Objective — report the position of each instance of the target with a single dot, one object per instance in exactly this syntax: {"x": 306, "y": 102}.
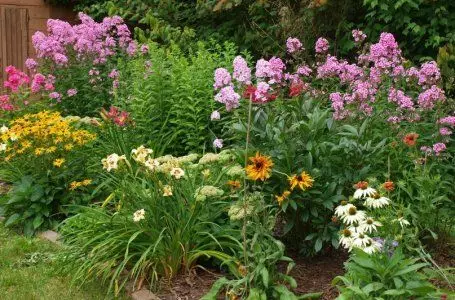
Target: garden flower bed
{"x": 191, "y": 173}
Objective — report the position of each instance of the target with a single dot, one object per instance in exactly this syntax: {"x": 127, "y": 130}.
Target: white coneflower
{"x": 2, "y": 147}
{"x": 343, "y": 208}
{"x": 369, "y": 225}
{"x": 139, "y": 215}
{"x": 353, "y": 215}
{"x": 177, "y": 173}
{"x": 371, "y": 247}
{"x": 362, "y": 190}
{"x": 376, "y": 201}
{"x": 167, "y": 191}
{"x": 346, "y": 238}
{"x": 403, "y": 222}
{"x": 151, "y": 164}
{"x": 356, "y": 228}
{"x": 361, "y": 240}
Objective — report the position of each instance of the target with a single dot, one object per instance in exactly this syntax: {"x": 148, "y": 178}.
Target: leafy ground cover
{"x": 28, "y": 271}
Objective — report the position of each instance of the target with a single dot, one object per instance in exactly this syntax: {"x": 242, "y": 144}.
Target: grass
{"x": 28, "y": 271}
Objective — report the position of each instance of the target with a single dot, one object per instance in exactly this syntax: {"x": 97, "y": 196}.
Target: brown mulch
{"x": 312, "y": 275}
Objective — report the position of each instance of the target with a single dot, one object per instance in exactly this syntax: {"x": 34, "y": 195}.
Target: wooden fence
{"x": 19, "y": 20}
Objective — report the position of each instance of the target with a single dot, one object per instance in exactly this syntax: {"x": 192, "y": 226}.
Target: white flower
{"x": 376, "y": 201}
{"x": 151, "y": 164}
{"x": 369, "y": 225}
{"x": 343, "y": 208}
{"x": 215, "y": 115}
{"x": 403, "y": 222}
{"x": 356, "y": 228}
{"x": 362, "y": 193}
{"x": 177, "y": 173}
{"x": 141, "y": 153}
{"x": 167, "y": 191}
{"x": 2, "y": 147}
{"x": 13, "y": 137}
{"x": 209, "y": 158}
{"x": 4, "y": 129}
{"x": 111, "y": 162}
{"x": 139, "y": 215}
{"x": 371, "y": 248}
{"x": 346, "y": 238}
{"x": 353, "y": 215}
{"x": 361, "y": 240}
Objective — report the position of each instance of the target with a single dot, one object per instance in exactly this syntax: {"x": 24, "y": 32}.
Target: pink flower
{"x": 358, "y": 36}
{"x": 5, "y": 103}
{"x": 71, "y": 92}
{"x": 322, "y": 46}
{"x": 31, "y": 64}
{"x": 449, "y": 120}
{"x": 262, "y": 92}
{"x": 222, "y": 78}
{"x": 218, "y": 143}
{"x": 293, "y": 45}
{"x": 132, "y": 48}
{"x": 438, "y": 148}
{"x": 114, "y": 74}
{"x": 144, "y": 49}
{"x": 428, "y": 98}
{"x": 56, "y": 96}
{"x": 15, "y": 79}
{"x": 272, "y": 69}
{"x": 429, "y": 73}
{"x": 241, "y": 71}
{"x": 228, "y": 97}
{"x": 445, "y": 131}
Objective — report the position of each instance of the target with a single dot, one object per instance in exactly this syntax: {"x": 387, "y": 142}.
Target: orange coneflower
{"x": 234, "y": 184}
{"x": 303, "y": 181}
{"x": 259, "y": 168}
{"x": 282, "y": 197}
{"x": 410, "y": 139}
{"x": 388, "y": 186}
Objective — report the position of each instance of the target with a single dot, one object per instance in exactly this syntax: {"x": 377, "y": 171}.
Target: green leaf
{"x": 374, "y": 286}
{"x": 394, "y": 292}
{"x": 12, "y": 219}
{"x": 37, "y": 221}
{"x": 410, "y": 269}
{"x": 318, "y": 245}
{"x": 265, "y": 277}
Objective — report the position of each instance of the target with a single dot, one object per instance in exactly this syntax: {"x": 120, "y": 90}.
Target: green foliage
{"x": 379, "y": 276}
{"x": 260, "y": 277}
{"x": 446, "y": 62}
{"x": 177, "y": 231}
{"x": 421, "y": 26}
{"x": 172, "y": 105}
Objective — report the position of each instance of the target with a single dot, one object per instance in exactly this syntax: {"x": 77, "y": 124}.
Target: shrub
{"x": 379, "y": 275}
{"x": 44, "y": 156}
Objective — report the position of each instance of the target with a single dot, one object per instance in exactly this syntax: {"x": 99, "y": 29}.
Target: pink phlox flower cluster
{"x": 88, "y": 39}
{"x": 272, "y": 70}
{"x": 358, "y": 36}
{"x": 5, "y": 103}
{"x": 293, "y": 45}
{"x": 242, "y": 73}
{"x": 445, "y": 131}
{"x": 222, "y": 78}
{"x": 262, "y": 92}
{"x": 114, "y": 74}
{"x": 31, "y": 64}
{"x": 385, "y": 54}
{"x": 71, "y": 92}
{"x": 429, "y": 74}
{"x": 428, "y": 97}
{"x": 449, "y": 120}
{"x": 304, "y": 70}
{"x": 322, "y": 46}
{"x": 228, "y": 97}
{"x": 144, "y": 49}
{"x": 55, "y": 96}
{"x": 330, "y": 68}
{"x": 399, "y": 97}
{"x": 438, "y": 148}
{"x": 15, "y": 79}
{"x": 218, "y": 143}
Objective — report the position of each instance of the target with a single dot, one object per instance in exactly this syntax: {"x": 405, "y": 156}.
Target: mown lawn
{"x": 28, "y": 271}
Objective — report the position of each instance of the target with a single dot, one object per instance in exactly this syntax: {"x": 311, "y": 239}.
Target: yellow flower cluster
{"x": 42, "y": 133}
{"x": 77, "y": 184}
